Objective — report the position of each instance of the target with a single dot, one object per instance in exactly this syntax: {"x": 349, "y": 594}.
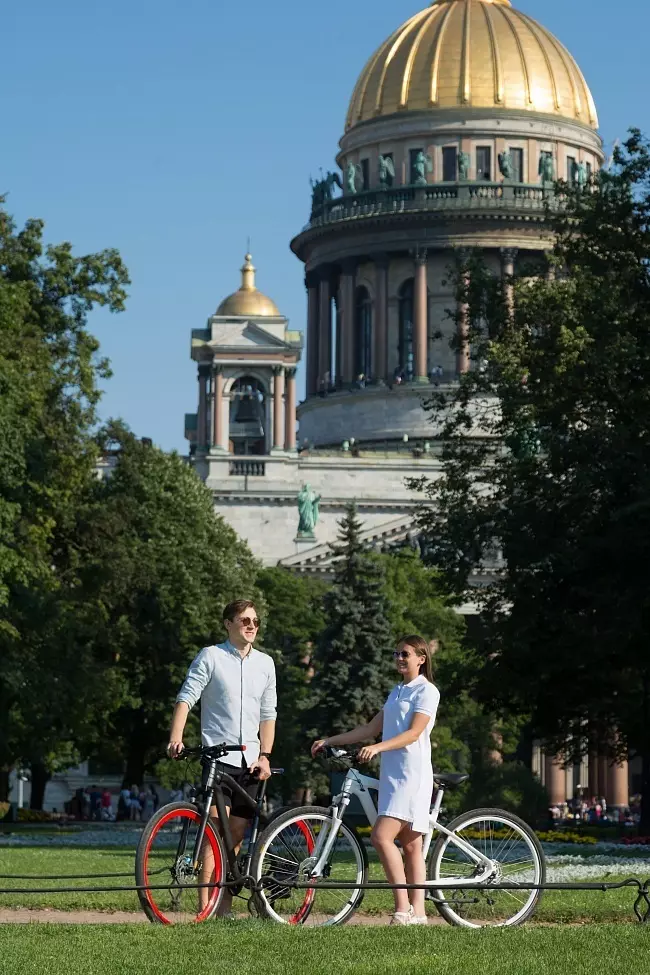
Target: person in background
{"x": 107, "y": 806}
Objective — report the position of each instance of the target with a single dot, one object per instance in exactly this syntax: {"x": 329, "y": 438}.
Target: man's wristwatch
{"x": 266, "y": 755}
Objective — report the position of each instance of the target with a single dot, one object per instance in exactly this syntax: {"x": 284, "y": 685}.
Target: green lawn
{"x": 241, "y": 948}
{"x": 556, "y": 906}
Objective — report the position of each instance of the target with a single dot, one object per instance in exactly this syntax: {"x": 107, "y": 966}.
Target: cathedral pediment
{"x": 248, "y": 335}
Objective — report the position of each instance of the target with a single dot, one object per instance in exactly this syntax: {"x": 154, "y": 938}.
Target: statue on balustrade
{"x": 322, "y": 191}
{"x": 353, "y": 172}
{"x": 463, "y": 166}
{"x": 580, "y": 175}
{"x": 506, "y": 168}
{"x": 422, "y": 165}
{"x": 386, "y": 171}
{"x": 546, "y": 169}
{"x": 308, "y": 510}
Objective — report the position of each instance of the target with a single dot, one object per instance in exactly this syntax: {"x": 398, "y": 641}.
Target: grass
{"x": 556, "y": 906}
{"x": 238, "y": 949}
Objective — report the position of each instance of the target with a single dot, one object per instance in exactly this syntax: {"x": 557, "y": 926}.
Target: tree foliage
{"x": 161, "y": 565}
{"x": 546, "y": 457}
{"x": 292, "y": 625}
{"x": 354, "y": 667}
{"x": 48, "y": 394}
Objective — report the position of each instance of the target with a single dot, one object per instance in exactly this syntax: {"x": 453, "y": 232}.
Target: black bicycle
{"x": 184, "y": 850}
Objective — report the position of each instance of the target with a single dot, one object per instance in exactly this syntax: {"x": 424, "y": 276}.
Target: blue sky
{"x": 174, "y": 130}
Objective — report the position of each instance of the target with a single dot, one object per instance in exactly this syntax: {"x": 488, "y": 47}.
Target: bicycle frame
{"x": 213, "y": 795}
{"x": 361, "y": 786}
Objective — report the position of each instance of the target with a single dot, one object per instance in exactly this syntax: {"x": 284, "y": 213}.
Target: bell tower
{"x": 247, "y": 358}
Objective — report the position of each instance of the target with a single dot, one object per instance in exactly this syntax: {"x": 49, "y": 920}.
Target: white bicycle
{"x": 479, "y": 849}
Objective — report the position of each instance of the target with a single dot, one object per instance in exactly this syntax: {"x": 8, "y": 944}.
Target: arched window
{"x": 248, "y": 416}
{"x": 363, "y": 334}
{"x": 406, "y": 351}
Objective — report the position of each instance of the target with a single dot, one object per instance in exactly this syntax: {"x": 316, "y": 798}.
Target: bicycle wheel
{"x": 284, "y": 855}
{"x": 164, "y": 856}
{"x": 510, "y": 843}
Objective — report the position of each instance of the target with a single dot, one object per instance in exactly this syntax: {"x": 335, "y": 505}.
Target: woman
{"x": 406, "y": 779}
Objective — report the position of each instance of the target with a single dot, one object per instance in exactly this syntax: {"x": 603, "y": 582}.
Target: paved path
{"x": 46, "y": 916}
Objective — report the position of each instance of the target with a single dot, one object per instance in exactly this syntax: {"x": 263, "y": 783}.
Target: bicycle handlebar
{"x": 213, "y": 751}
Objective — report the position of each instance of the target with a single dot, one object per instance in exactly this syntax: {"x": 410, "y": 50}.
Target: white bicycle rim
{"x": 353, "y": 896}
{"x": 534, "y": 876}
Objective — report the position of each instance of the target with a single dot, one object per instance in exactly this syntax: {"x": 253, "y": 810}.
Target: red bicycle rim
{"x": 309, "y": 894}
{"x": 218, "y": 864}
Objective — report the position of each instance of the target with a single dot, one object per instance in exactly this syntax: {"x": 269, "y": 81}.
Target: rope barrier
{"x": 641, "y": 904}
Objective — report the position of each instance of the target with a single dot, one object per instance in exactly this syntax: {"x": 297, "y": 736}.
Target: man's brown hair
{"x": 237, "y": 607}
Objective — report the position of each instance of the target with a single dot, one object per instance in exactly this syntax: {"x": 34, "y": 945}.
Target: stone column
{"x": 421, "y": 316}
{"x": 618, "y": 791}
{"x": 508, "y": 255}
{"x": 311, "y": 283}
{"x": 290, "y": 411}
{"x": 555, "y": 780}
{"x": 202, "y": 419}
{"x": 278, "y": 408}
{"x": 325, "y": 328}
{"x": 348, "y": 273}
{"x": 217, "y": 410}
{"x": 381, "y": 318}
{"x": 462, "y": 353}
{"x": 603, "y": 767}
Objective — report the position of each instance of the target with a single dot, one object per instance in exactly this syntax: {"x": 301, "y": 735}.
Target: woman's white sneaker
{"x": 416, "y": 919}
{"x": 403, "y": 918}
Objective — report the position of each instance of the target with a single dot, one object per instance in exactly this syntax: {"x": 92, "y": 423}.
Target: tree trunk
{"x": 4, "y": 785}
{"x": 40, "y": 778}
{"x": 644, "y": 825}
{"x": 135, "y": 759}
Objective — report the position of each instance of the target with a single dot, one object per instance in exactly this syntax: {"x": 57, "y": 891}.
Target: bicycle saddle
{"x": 450, "y": 779}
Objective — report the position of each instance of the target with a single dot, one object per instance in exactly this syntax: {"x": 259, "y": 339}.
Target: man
{"x": 236, "y": 686}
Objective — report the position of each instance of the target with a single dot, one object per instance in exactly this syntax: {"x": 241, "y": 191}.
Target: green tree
{"x": 48, "y": 395}
{"x": 417, "y": 600}
{"x": 354, "y": 668}
{"x": 292, "y": 625}
{"x": 162, "y": 565}
{"x": 556, "y": 476}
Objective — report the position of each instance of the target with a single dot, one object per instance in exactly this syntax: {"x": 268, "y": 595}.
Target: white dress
{"x": 406, "y": 778}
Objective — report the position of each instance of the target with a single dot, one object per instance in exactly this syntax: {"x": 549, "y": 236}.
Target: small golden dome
{"x": 472, "y": 54}
{"x": 248, "y": 301}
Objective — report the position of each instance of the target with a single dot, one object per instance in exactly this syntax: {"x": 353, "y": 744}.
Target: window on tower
{"x": 517, "y": 156}
{"x": 365, "y": 174}
{"x": 248, "y": 417}
{"x": 450, "y": 164}
{"x": 484, "y": 163}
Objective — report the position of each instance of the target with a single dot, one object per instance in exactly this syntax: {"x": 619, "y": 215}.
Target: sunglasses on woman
{"x": 402, "y": 654}
{"x": 247, "y": 621}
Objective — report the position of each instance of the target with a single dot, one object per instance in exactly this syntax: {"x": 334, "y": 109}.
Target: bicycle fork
{"x": 328, "y": 834}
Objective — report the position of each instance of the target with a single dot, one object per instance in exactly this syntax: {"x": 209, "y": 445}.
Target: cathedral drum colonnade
{"x": 456, "y": 130}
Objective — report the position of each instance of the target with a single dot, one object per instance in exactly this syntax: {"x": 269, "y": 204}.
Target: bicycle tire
{"x": 467, "y": 819}
{"x": 303, "y": 815}
{"x": 149, "y": 899}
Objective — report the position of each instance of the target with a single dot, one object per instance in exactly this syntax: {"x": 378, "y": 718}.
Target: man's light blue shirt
{"x": 236, "y": 694}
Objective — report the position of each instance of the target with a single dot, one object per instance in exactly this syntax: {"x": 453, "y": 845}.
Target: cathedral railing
{"x": 516, "y": 197}
{"x": 247, "y": 468}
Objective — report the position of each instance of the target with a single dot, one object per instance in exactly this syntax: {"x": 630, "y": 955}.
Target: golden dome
{"x": 472, "y": 54}
{"x": 248, "y": 301}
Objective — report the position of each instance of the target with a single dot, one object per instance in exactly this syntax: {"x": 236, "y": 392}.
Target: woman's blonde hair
{"x": 421, "y": 648}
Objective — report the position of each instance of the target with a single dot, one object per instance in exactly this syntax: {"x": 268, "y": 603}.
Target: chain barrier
{"x": 641, "y": 904}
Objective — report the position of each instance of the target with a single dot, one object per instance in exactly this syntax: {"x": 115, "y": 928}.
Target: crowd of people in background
{"x": 594, "y": 812}
{"x": 95, "y": 804}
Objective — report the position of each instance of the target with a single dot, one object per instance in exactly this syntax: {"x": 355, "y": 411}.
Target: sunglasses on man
{"x": 247, "y": 621}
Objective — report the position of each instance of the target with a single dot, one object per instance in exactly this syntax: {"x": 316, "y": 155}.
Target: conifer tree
{"x": 354, "y": 666}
